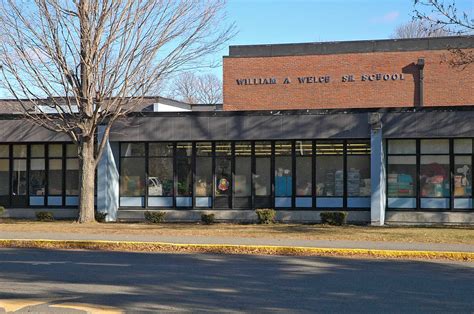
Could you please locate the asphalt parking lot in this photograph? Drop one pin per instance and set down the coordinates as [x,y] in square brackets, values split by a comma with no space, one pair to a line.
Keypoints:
[81,281]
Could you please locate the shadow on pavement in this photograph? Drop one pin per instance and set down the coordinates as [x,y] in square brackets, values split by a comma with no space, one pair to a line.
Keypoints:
[205,282]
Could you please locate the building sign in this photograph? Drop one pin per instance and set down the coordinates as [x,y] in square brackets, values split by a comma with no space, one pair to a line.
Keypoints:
[325,79]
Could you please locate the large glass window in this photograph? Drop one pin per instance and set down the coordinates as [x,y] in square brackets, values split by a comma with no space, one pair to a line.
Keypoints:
[462,176]
[55,177]
[262,178]
[203,179]
[401,170]
[183,169]
[283,173]
[243,175]
[19,178]
[55,169]
[72,176]
[160,169]
[434,176]
[132,169]
[4,174]
[204,169]
[304,173]
[37,171]
[72,170]
[329,169]
[223,173]
[358,169]
[462,171]
[401,176]
[304,166]
[283,169]
[434,169]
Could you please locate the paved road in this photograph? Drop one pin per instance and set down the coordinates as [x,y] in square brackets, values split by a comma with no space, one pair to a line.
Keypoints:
[238,283]
[379,245]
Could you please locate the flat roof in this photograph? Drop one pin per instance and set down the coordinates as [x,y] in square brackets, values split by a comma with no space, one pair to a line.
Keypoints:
[359,46]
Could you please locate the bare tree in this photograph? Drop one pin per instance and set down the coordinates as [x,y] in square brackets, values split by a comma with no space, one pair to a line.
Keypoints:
[417,29]
[92,61]
[445,16]
[197,89]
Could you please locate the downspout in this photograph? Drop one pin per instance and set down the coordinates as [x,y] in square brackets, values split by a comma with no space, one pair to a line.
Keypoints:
[421,64]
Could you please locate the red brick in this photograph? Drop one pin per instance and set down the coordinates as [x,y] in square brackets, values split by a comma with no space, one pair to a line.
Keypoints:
[443,85]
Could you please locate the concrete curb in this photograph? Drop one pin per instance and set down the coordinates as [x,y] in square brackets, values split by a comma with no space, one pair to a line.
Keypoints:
[155,247]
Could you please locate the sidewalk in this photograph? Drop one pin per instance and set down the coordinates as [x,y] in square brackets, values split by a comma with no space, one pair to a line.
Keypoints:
[225,240]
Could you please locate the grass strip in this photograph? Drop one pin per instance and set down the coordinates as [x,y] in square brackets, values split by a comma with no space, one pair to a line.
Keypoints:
[155,247]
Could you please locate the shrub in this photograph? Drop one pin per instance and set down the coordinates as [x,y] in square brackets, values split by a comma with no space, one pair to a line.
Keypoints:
[155,217]
[99,216]
[266,216]
[334,218]
[2,210]
[45,216]
[208,219]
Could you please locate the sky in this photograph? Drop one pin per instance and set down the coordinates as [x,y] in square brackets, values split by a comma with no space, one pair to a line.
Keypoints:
[295,21]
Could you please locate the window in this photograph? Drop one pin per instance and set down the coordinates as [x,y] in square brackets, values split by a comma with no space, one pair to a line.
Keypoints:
[132,170]
[203,185]
[183,169]
[72,170]
[4,176]
[262,178]
[160,169]
[434,169]
[4,173]
[358,169]
[37,174]
[243,175]
[72,176]
[204,169]
[329,169]
[223,173]
[462,176]
[55,174]
[462,171]
[402,147]
[55,177]
[304,173]
[19,176]
[283,173]
[401,176]
[283,169]
[304,162]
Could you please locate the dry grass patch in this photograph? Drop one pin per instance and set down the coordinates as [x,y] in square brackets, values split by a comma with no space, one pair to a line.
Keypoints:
[454,235]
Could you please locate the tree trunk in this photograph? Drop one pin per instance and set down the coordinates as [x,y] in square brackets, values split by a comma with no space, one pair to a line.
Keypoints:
[87,181]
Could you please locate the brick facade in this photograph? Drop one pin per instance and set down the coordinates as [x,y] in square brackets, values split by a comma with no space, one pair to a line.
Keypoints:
[443,85]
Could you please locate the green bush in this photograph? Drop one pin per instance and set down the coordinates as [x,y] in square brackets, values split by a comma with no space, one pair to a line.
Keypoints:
[155,217]
[266,216]
[2,210]
[99,216]
[334,218]
[45,216]
[208,219]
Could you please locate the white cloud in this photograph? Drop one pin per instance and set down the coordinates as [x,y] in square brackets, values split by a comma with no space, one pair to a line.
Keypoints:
[386,18]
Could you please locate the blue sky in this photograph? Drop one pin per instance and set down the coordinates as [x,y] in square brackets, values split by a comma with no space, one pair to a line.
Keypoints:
[293,21]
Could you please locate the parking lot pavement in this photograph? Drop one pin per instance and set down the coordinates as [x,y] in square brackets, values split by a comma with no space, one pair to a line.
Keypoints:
[91,281]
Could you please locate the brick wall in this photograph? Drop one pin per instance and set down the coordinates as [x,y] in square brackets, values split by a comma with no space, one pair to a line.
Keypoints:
[443,85]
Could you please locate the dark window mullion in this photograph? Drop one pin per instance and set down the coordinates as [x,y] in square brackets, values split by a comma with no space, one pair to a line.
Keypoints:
[147,158]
